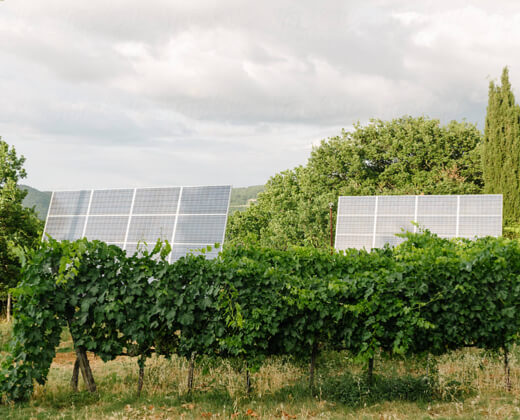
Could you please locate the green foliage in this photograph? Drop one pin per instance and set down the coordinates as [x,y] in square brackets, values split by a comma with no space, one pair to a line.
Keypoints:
[94,288]
[19,226]
[501,147]
[185,313]
[11,166]
[403,156]
[355,391]
[428,295]
[254,284]
[5,335]
[36,330]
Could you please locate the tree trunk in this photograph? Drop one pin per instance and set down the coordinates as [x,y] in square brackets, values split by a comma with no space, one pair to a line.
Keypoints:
[141,362]
[84,366]
[312,367]
[191,368]
[506,370]
[8,307]
[75,376]
[370,373]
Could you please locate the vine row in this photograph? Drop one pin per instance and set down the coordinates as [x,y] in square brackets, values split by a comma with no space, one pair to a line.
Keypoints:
[427,296]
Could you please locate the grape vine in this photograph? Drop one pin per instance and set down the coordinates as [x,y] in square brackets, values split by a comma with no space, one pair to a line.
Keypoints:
[428,295]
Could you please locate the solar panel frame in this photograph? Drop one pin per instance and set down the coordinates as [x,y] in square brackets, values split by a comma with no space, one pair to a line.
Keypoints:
[165,215]
[449,216]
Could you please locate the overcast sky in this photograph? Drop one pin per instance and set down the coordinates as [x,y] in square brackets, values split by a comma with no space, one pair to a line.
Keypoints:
[161,92]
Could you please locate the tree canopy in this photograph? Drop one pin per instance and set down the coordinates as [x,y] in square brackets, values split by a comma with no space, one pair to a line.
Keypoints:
[19,226]
[404,156]
[501,147]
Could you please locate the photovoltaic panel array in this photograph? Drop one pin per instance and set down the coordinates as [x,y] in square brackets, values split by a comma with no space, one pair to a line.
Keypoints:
[188,217]
[372,221]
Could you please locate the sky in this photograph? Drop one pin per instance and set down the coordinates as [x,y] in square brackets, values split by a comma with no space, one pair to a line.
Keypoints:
[126,93]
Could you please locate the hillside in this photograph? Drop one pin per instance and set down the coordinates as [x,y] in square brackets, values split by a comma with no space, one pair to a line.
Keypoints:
[41,199]
[240,196]
[38,199]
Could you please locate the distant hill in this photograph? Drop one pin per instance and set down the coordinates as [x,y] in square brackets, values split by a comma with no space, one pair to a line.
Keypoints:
[240,197]
[38,199]
[41,199]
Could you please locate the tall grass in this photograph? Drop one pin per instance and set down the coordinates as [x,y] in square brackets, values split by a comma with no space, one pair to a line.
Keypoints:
[5,334]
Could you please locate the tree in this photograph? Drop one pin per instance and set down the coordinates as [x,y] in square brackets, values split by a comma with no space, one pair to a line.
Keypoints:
[19,226]
[403,156]
[501,147]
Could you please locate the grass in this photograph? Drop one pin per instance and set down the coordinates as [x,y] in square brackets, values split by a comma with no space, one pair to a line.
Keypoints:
[5,334]
[470,385]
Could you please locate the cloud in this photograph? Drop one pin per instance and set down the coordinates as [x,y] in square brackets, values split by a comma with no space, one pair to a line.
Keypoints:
[160,92]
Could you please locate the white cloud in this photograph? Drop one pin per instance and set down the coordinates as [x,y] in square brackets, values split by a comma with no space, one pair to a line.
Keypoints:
[128,92]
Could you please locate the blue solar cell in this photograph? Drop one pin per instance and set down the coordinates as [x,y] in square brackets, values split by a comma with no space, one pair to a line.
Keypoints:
[205,200]
[200,229]
[366,222]
[151,228]
[126,216]
[111,202]
[65,228]
[106,228]
[156,201]
[69,203]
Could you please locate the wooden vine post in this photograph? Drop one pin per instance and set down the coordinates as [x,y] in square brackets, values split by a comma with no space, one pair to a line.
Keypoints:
[75,376]
[84,367]
[191,368]
[8,307]
[81,364]
[507,371]
[312,367]
[370,373]
[248,382]
[141,361]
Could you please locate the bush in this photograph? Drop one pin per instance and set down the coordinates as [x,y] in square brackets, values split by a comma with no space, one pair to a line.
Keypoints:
[355,390]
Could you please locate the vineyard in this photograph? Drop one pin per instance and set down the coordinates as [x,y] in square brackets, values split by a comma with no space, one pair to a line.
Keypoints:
[427,296]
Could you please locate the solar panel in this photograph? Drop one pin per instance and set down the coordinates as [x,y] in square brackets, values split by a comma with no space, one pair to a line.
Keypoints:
[190,218]
[372,221]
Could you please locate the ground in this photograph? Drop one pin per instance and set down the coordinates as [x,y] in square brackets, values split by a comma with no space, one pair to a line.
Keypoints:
[471,386]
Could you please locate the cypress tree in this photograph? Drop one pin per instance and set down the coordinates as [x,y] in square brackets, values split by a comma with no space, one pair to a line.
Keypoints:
[501,147]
